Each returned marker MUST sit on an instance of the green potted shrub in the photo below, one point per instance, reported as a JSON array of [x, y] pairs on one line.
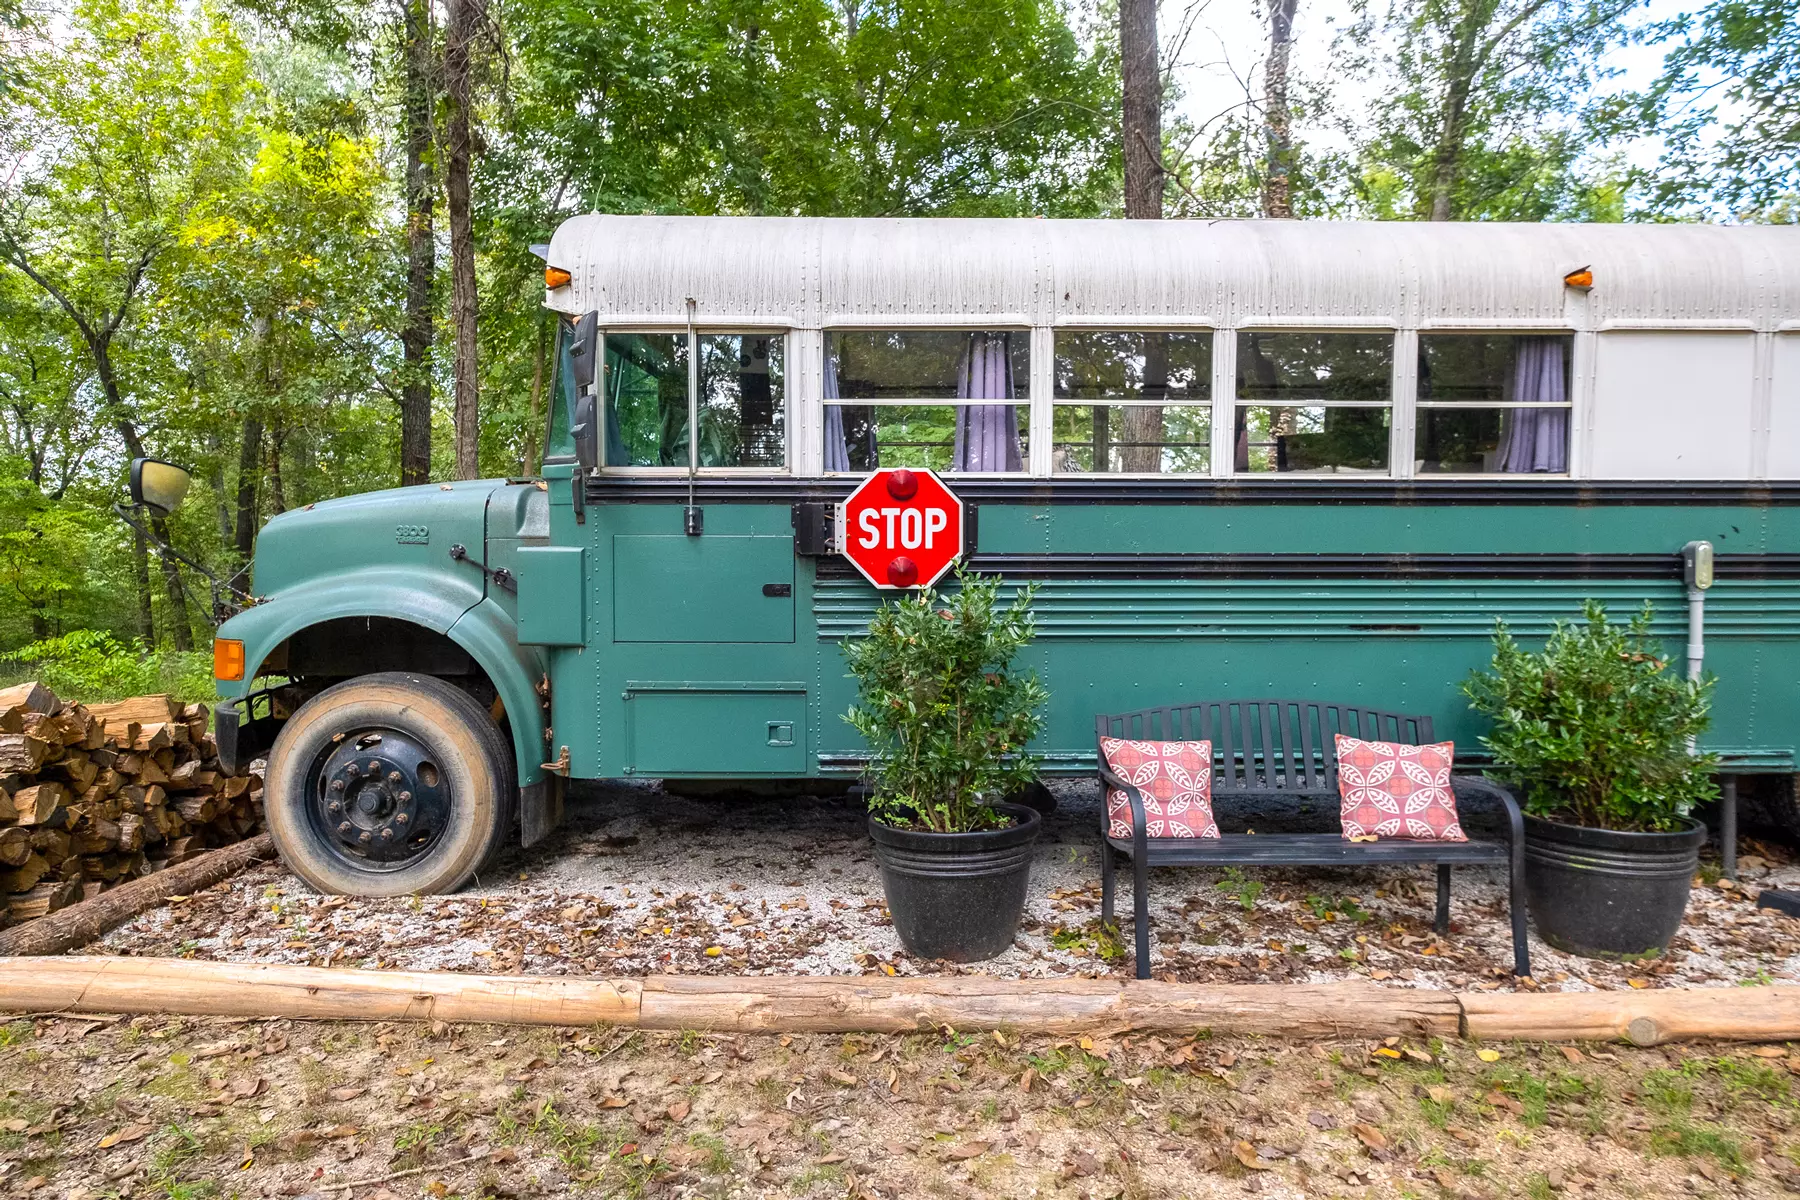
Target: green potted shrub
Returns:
[[947, 720], [1597, 733]]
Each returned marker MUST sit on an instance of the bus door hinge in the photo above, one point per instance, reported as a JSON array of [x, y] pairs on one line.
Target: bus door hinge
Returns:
[[560, 766]]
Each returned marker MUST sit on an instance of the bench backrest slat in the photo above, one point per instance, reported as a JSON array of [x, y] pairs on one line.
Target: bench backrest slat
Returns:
[[1268, 745]]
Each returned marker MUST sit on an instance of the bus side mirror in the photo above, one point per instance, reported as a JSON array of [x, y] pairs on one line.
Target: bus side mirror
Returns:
[[158, 486], [586, 430], [582, 348]]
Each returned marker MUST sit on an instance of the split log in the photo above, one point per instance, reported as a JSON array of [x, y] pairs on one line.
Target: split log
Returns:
[[1643, 1018], [8, 810], [39, 804], [93, 984], [15, 845], [23, 753], [44, 899], [145, 710], [28, 697], [94, 918], [26, 875]]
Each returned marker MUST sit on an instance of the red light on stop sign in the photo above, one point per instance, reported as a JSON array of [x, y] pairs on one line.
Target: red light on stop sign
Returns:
[[901, 528]]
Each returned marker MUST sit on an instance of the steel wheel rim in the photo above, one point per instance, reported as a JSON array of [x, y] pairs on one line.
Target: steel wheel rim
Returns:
[[378, 800]]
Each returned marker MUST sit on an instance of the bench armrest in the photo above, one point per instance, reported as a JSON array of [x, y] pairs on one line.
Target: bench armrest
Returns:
[[1477, 787], [1139, 833]]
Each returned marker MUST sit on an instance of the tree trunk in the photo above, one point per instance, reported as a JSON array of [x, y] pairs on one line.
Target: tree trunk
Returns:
[[179, 620], [421, 249], [1446, 158], [1141, 116], [534, 423], [244, 531], [1277, 192], [140, 570], [459, 30], [277, 490], [1140, 127]]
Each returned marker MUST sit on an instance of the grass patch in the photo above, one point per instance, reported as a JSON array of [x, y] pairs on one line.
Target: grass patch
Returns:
[[1686, 1139]]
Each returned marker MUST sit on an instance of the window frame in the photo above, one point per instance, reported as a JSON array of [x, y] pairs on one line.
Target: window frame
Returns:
[[1029, 402], [680, 329], [1415, 403], [1052, 401], [1225, 358]]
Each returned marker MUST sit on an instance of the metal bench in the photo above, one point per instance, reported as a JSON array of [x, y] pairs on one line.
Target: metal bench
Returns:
[[1286, 750]]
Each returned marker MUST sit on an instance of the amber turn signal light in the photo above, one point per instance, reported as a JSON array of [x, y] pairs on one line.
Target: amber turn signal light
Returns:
[[555, 277], [1583, 279], [228, 658]]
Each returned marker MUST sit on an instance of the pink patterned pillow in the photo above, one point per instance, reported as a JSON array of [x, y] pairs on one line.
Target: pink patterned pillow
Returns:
[[1176, 781], [1394, 791]]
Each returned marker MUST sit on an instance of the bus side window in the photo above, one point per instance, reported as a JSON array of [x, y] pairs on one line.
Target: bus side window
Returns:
[[741, 401], [1134, 402], [1313, 402], [925, 398], [1493, 403]]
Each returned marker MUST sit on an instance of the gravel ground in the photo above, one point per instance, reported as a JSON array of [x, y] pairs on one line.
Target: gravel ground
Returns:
[[639, 880]]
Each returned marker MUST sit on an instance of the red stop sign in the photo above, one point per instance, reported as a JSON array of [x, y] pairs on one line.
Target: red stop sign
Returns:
[[901, 528]]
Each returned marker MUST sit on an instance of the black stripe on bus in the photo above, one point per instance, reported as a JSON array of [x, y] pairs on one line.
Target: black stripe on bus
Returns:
[[1356, 566], [715, 489]]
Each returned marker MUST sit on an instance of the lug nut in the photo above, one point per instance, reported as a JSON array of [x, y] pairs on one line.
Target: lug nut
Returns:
[[353, 771], [400, 818], [366, 837], [387, 835], [406, 797], [343, 827], [337, 785], [374, 766], [393, 777], [334, 806]]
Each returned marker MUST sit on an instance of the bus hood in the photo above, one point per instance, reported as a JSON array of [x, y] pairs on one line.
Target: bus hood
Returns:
[[410, 527]]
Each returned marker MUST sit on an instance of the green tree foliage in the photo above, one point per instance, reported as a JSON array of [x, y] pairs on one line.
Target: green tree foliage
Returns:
[[945, 715], [1728, 105], [1481, 116], [1595, 727]]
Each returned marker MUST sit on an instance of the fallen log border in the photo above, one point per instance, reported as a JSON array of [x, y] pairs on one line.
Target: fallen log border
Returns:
[[875, 1004], [89, 920]]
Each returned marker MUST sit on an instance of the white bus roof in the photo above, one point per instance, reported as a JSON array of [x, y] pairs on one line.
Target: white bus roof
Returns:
[[807, 272]]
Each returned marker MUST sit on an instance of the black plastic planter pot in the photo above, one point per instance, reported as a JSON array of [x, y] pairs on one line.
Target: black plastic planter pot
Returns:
[[957, 896], [1603, 894]]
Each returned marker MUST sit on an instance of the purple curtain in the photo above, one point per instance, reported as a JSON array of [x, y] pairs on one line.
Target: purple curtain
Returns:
[[987, 435], [1537, 439], [837, 450]]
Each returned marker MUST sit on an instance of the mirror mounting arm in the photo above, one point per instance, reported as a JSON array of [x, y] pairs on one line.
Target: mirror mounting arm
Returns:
[[227, 601]]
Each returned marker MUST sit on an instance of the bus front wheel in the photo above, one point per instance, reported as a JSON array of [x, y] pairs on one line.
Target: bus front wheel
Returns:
[[390, 784]]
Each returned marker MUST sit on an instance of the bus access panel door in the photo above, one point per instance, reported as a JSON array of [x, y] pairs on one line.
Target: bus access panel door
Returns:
[[689, 664]]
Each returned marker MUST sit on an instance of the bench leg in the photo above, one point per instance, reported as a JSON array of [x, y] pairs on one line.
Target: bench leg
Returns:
[[1443, 899], [1516, 902], [1108, 874], [1140, 903]]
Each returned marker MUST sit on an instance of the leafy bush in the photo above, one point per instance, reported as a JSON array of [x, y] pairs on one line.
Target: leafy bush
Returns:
[[945, 719], [93, 665], [1595, 726]]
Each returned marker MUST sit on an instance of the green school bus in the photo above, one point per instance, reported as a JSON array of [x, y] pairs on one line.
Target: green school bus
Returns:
[[1242, 458]]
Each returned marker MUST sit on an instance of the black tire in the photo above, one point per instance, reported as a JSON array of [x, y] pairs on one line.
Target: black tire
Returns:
[[390, 784]]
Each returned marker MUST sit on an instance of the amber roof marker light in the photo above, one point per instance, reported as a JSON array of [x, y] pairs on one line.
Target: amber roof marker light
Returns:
[[1581, 277], [555, 277]]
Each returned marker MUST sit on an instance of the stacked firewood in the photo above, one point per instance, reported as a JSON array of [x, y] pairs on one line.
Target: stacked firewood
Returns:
[[94, 795]]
